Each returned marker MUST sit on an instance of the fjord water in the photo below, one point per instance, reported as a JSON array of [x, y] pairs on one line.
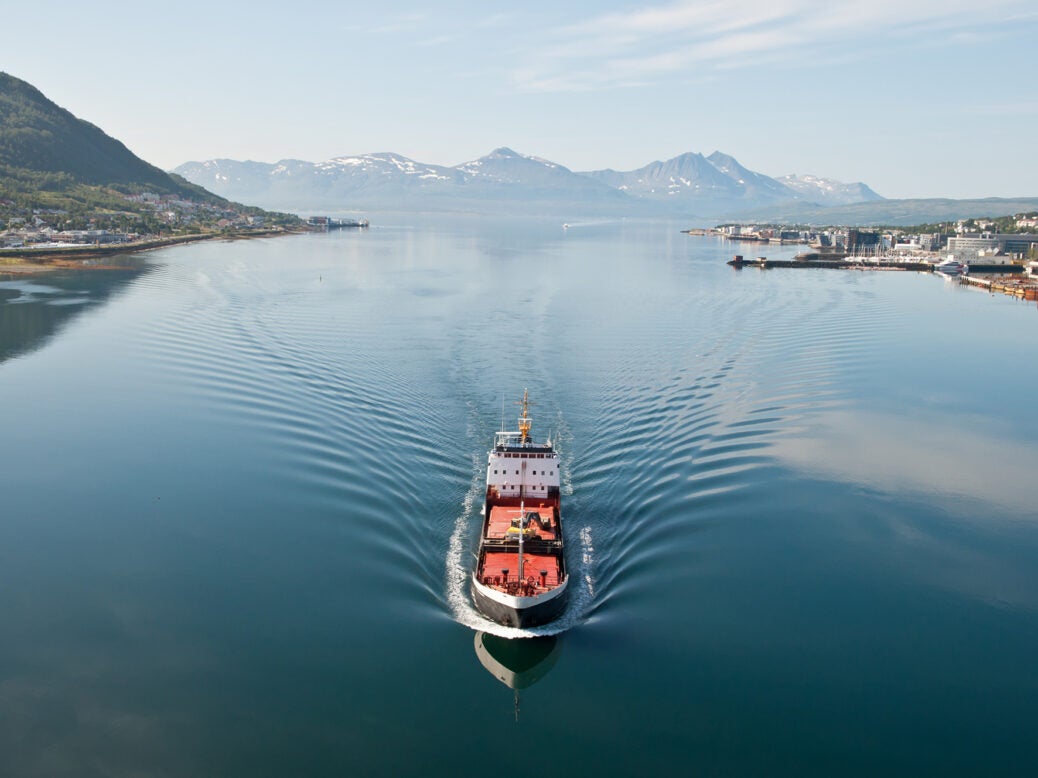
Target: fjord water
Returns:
[[240, 491]]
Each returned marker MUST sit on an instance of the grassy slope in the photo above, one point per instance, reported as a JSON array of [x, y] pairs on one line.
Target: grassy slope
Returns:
[[51, 159]]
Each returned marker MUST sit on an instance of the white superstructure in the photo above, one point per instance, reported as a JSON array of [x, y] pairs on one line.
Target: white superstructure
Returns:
[[516, 471]]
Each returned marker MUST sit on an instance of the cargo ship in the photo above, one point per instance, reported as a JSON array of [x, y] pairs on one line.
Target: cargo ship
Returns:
[[520, 576]]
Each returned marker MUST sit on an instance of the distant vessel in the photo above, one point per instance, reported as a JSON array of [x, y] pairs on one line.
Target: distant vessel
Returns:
[[520, 575], [952, 267], [326, 223]]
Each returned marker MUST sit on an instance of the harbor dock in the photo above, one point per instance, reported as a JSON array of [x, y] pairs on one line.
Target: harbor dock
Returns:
[[1022, 288], [1009, 280], [830, 262], [835, 261]]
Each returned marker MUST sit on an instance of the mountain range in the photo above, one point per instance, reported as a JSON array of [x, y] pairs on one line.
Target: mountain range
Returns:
[[50, 159], [689, 184]]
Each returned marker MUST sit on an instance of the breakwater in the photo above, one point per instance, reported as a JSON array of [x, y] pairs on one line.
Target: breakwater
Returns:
[[838, 262]]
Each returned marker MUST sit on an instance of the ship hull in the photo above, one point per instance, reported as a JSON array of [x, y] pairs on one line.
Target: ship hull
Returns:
[[520, 612]]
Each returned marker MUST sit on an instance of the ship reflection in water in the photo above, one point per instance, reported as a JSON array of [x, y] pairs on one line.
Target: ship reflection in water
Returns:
[[518, 664]]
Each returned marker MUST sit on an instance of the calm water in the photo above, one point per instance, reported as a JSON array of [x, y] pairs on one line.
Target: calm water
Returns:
[[239, 493]]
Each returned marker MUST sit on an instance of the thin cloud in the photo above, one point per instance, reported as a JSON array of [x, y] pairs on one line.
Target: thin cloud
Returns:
[[618, 49], [494, 20], [437, 29], [438, 40], [894, 455], [1007, 110], [409, 22]]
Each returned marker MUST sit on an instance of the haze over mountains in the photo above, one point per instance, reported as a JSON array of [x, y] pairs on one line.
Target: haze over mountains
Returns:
[[50, 159], [689, 184]]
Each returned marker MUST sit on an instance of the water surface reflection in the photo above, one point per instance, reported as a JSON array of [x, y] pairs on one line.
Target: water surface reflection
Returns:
[[518, 663], [33, 310]]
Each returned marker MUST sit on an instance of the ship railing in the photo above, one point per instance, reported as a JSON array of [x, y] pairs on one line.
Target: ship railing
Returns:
[[531, 586], [530, 546], [506, 438]]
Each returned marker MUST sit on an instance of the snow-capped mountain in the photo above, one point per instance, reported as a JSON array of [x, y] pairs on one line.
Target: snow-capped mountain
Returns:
[[291, 183], [826, 191], [504, 173], [510, 167], [688, 176], [751, 184], [689, 184], [384, 167]]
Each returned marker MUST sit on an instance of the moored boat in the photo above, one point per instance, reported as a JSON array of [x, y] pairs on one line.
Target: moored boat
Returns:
[[951, 267], [520, 576]]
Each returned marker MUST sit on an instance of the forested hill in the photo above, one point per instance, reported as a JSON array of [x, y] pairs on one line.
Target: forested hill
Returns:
[[44, 147]]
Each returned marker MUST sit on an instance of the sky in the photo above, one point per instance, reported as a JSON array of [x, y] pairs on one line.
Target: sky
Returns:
[[916, 98]]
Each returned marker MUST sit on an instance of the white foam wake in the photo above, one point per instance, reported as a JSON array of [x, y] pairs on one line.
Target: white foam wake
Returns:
[[459, 571]]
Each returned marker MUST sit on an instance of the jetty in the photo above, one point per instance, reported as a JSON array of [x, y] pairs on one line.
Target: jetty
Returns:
[[832, 261], [1010, 279], [1021, 288], [840, 261]]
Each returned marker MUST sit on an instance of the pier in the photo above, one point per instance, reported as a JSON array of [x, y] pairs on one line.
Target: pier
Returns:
[[836, 261], [1022, 288], [830, 262]]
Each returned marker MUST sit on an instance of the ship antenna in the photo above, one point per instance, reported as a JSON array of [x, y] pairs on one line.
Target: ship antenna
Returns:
[[524, 418]]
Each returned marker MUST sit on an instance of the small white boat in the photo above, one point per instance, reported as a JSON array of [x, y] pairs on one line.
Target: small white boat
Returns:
[[952, 267]]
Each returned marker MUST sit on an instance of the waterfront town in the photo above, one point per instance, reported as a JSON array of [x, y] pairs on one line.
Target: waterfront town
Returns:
[[1002, 241], [999, 255], [146, 216]]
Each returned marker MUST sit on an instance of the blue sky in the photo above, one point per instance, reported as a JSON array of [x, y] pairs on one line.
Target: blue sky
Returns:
[[917, 98]]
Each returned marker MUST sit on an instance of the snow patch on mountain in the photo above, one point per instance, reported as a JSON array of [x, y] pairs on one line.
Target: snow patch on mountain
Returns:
[[687, 184], [828, 191]]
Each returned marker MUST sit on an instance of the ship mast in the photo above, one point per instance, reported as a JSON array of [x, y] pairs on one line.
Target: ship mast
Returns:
[[524, 437], [524, 419]]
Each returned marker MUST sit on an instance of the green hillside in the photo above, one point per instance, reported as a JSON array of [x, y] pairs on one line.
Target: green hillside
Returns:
[[54, 163], [43, 144]]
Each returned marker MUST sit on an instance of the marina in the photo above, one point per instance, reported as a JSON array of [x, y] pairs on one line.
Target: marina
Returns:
[[1005, 279]]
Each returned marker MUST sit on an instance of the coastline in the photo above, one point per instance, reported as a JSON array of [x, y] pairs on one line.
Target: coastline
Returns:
[[27, 262]]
